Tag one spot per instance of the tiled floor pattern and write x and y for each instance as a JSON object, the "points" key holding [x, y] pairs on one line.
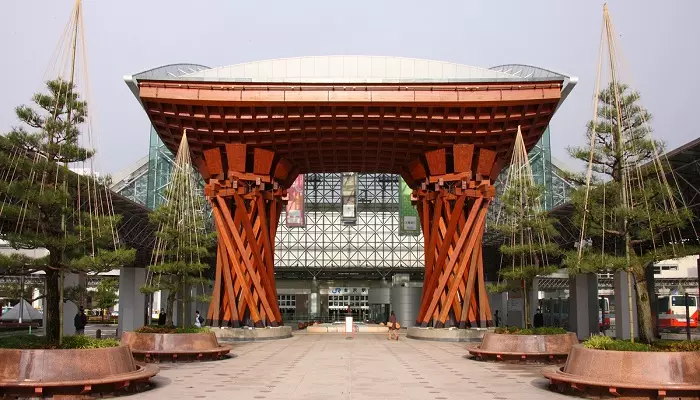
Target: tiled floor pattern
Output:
{"points": [[330, 367]]}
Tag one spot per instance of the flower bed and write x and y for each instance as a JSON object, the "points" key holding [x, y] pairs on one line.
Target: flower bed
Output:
{"points": [[31, 366], [174, 344], [530, 345], [603, 366]]}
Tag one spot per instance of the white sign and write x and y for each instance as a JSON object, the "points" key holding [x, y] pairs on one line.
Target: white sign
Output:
{"points": [[348, 324], [410, 223]]}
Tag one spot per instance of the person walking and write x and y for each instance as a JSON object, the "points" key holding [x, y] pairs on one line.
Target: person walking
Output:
{"points": [[538, 321], [393, 327], [80, 321], [198, 320], [161, 317]]}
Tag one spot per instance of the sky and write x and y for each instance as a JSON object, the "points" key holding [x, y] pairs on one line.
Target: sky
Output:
{"points": [[659, 41]]}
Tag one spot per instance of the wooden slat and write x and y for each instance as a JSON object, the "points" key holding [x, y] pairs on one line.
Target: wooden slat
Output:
{"points": [[235, 155], [212, 157], [463, 154], [485, 160], [497, 167], [262, 161], [250, 266], [224, 235], [282, 170], [479, 226], [202, 168], [444, 244], [417, 171], [437, 162], [468, 233]]}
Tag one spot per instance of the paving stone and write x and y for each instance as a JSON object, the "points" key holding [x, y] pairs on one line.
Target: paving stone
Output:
{"points": [[308, 367]]}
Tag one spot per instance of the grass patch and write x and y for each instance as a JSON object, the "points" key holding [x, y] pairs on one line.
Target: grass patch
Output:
{"points": [[607, 343], [68, 342], [170, 329], [511, 330]]}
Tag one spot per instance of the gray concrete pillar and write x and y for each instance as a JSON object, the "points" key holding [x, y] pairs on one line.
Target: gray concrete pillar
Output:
{"points": [[70, 308], [499, 302], [583, 305], [653, 298], [622, 310], [132, 303], [534, 300], [514, 307]]}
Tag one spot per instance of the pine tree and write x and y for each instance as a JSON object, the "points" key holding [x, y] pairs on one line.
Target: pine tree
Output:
{"points": [[527, 231], [182, 241], [45, 205], [105, 296], [631, 218]]}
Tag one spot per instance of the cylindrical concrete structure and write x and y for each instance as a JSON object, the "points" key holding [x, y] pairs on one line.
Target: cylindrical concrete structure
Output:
{"points": [[379, 296], [405, 302]]}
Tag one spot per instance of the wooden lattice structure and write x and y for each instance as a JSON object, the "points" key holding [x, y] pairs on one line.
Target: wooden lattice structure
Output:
{"points": [[448, 141]]}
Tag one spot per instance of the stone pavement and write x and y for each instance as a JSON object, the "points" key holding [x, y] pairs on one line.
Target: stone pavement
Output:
{"points": [[329, 367]]}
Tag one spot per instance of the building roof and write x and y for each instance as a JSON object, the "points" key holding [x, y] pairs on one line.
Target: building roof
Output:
{"points": [[351, 69]]}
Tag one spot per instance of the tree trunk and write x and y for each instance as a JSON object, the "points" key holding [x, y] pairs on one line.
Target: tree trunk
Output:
{"points": [[169, 306], [51, 306], [646, 323]]}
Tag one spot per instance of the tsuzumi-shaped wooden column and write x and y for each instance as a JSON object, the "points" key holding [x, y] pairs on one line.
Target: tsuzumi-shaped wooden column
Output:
{"points": [[452, 210], [246, 207]]}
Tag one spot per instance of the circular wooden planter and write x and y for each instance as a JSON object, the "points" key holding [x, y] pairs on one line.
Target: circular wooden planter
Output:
{"points": [[628, 373], [70, 372], [174, 346], [535, 348]]}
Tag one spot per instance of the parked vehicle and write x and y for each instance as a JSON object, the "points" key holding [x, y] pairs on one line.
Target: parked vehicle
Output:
{"points": [[672, 315]]}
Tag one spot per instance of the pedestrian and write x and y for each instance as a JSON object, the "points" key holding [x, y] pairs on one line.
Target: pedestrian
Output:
{"points": [[80, 321], [198, 320], [538, 321], [496, 318], [393, 327], [161, 317]]}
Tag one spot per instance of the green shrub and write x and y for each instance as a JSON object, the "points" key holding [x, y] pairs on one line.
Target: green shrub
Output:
{"points": [[607, 343], [511, 330], [170, 329], [600, 342], [673, 345], [68, 342], [23, 342], [86, 342]]}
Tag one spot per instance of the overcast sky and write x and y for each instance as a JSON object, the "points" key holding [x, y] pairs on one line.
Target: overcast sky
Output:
{"points": [[659, 40]]}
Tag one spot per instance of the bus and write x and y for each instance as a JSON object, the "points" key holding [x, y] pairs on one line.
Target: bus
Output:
{"points": [[672, 316], [606, 316]]}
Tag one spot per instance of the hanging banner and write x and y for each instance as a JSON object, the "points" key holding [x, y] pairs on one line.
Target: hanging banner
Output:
{"points": [[295, 203], [348, 198], [408, 215]]}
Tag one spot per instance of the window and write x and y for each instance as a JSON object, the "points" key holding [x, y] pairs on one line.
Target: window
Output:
{"points": [[679, 301], [287, 301]]}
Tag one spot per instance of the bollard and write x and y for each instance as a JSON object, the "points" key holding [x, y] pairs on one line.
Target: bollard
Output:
{"points": [[98, 334]]}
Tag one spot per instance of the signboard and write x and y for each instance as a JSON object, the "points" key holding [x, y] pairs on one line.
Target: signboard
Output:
{"points": [[295, 203], [408, 215], [348, 291], [348, 197]]}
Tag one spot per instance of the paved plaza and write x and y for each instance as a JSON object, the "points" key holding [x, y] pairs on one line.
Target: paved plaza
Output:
{"points": [[326, 367]]}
